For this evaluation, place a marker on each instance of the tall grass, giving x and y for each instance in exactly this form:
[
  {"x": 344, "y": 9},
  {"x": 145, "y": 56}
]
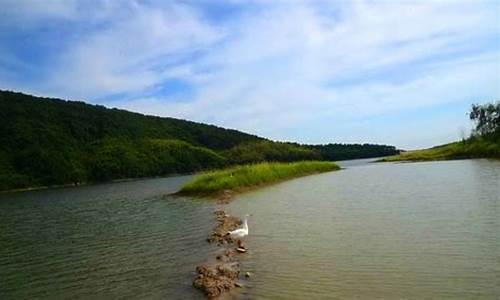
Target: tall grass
[{"x": 245, "y": 176}]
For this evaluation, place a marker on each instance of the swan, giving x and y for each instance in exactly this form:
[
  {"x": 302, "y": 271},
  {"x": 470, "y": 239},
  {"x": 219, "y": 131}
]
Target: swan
[{"x": 240, "y": 232}]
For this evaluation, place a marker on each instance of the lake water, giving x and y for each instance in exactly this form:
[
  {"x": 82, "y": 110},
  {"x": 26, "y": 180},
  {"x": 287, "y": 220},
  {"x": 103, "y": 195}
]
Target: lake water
[
  {"x": 121, "y": 240},
  {"x": 391, "y": 231},
  {"x": 388, "y": 231}
]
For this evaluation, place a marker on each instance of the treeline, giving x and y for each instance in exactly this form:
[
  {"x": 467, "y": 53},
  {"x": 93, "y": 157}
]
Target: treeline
[
  {"x": 46, "y": 141},
  {"x": 485, "y": 138},
  {"x": 487, "y": 120},
  {"x": 262, "y": 151},
  {"x": 335, "y": 152}
]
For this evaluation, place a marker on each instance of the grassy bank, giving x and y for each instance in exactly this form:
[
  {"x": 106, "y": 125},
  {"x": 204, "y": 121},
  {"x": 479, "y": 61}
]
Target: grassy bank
[
  {"x": 240, "y": 177},
  {"x": 474, "y": 148}
]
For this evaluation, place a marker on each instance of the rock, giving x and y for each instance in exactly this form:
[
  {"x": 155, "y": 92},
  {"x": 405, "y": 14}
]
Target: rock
[
  {"x": 230, "y": 254},
  {"x": 214, "y": 280},
  {"x": 229, "y": 270},
  {"x": 225, "y": 197},
  {"x": 219, "y": 213},
  {"x": 225, "y": 223},
  {"x": 248, "y": 274}
]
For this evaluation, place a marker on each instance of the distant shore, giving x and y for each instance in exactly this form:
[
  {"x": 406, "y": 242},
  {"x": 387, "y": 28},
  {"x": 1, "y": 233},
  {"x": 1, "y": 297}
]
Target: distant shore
[{"x": 473, "y": 148}]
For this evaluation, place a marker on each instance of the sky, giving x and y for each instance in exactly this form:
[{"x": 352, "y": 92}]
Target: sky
[{"x": 403, "y": 73}]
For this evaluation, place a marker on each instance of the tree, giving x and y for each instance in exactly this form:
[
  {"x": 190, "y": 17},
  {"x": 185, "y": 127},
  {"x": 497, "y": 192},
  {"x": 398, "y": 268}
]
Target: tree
[{"x": 486, "y": 117}]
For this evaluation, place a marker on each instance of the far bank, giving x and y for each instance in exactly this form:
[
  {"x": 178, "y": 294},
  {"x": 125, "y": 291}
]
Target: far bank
[{"x": 471, "y": 148}]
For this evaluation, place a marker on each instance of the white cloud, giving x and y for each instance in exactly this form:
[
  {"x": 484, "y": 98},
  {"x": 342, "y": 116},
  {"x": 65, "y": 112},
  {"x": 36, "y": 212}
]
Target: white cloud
[
  {"x": 273, "y": 72},
  {"x": 133, "y": 52},
  {"x": 289, "y": 65}
]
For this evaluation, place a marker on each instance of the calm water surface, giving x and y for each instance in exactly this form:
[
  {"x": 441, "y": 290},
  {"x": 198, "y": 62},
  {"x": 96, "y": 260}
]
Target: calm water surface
[
  {"x": 391, "y": 231},
  {"x": 121, "y": 240}
]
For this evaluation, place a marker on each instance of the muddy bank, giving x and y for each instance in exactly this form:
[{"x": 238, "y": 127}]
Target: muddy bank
[{"x": 222, "y": 275}]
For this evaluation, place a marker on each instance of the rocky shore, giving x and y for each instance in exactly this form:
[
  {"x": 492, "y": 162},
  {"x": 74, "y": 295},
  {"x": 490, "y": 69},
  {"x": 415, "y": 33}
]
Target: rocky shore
[
  {"x": 225, "y": 223},
  {"x": 222, "y": 275}
]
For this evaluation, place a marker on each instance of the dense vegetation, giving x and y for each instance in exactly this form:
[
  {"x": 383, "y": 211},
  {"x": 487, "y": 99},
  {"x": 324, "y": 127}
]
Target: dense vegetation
[
  {"x": 46, "y": 141},
  {"x": 335, "y": 152},
  {"x": 51, "y": 141},
  {"x": 484, "y": 141},
  {"x": 245, "y": 176},
  {"x": 262, "y": 151}
]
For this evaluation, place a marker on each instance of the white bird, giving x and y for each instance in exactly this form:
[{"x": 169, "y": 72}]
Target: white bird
[{"x": 240, "y": 232}]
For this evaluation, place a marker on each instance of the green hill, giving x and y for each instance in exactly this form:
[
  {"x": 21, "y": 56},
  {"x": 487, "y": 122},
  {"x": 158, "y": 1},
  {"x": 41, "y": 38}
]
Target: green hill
[{"x": 45, "y": 141}]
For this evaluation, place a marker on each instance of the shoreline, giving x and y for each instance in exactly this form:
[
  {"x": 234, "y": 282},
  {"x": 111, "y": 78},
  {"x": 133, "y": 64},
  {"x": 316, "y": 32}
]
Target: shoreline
[
  {"x": 80, "y": 184},
  {"x": 132, "y": 179},
  {"x": 468, "y": 149},
  {"x": 401, "y": 160},
  {"x": 91, "y": 183}
]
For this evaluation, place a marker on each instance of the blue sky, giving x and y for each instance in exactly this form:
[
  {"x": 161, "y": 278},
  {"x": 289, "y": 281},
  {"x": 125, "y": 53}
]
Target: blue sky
[{"x": 396, "y": 72}]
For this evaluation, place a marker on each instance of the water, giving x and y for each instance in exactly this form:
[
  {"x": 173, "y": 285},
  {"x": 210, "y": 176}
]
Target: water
[
  {"x": 122, "y": 240},
  {"x": 391, "y": 231}
]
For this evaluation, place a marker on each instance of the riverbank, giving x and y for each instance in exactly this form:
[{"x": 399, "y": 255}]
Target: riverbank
[
  {"x": 247, "y": 176},
  {"x": 477, "y": 148},
  {"x": 80, "y": 184}
]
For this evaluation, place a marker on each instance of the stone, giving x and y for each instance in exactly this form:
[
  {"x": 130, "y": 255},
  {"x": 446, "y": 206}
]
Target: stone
[
  {"x": 225, "y": 224},
  {"x": 214, "y": 280}
]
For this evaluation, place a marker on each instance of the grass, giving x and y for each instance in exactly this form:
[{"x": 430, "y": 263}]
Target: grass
[
  {"x": 246, "y": 176},
  {"x": 473, "y": 148}
]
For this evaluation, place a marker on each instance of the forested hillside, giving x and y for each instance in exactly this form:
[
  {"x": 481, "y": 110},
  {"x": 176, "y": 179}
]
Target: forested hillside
[{"x": 46, "y": 141}]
